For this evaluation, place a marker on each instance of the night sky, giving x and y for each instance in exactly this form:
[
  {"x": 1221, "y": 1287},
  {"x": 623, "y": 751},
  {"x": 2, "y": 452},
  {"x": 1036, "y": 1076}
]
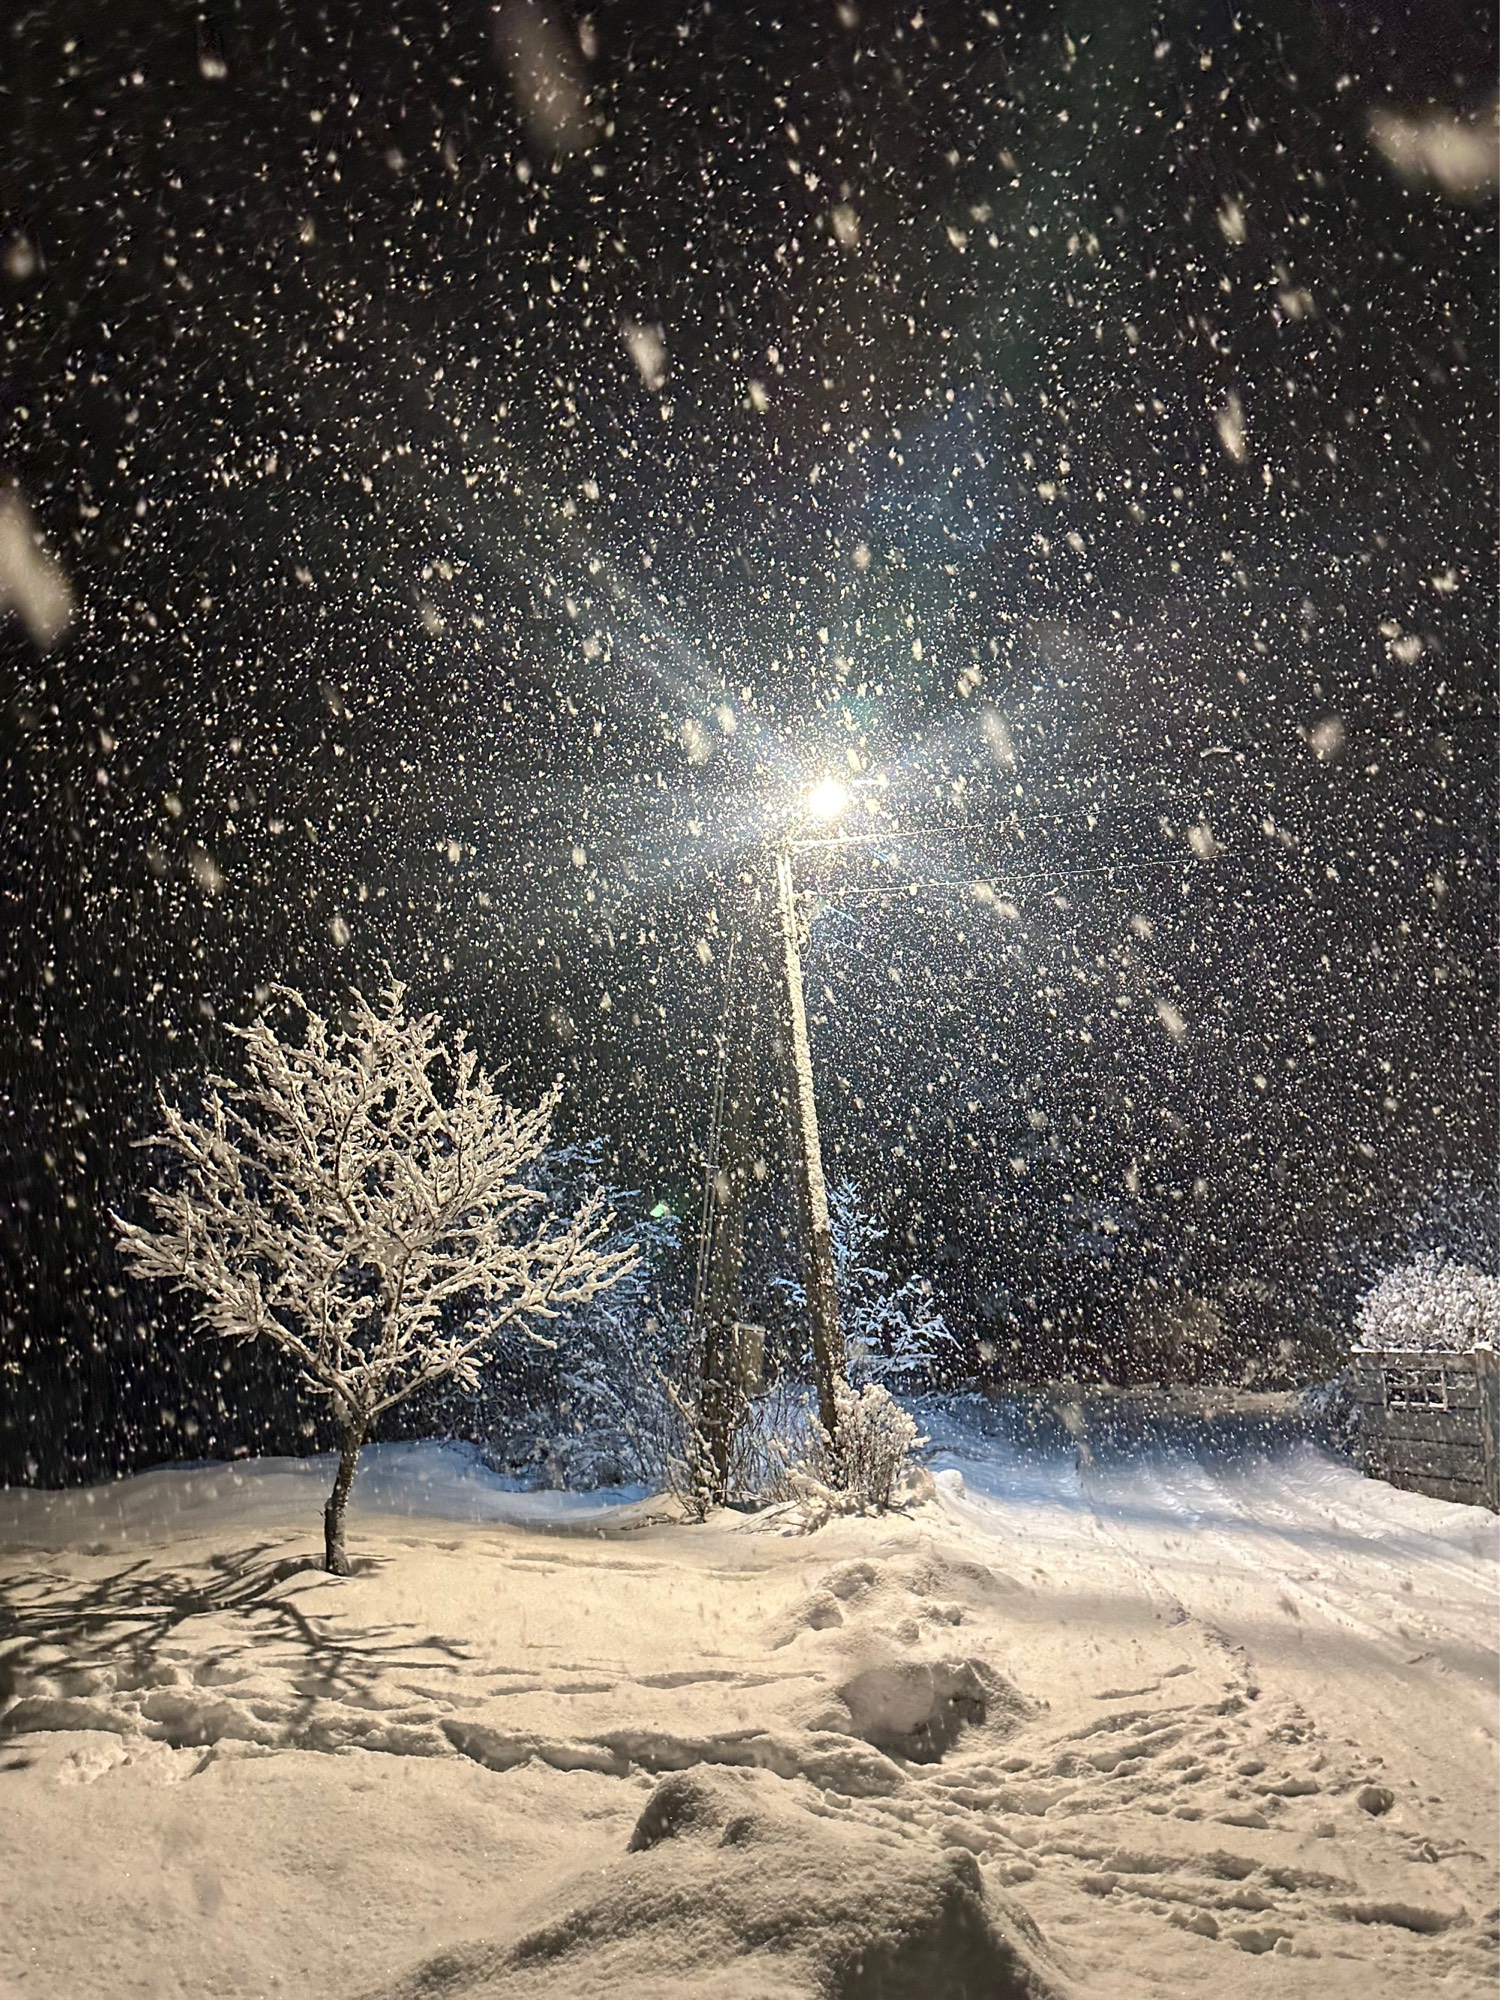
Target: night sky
[{"x": 500, "y": 455}]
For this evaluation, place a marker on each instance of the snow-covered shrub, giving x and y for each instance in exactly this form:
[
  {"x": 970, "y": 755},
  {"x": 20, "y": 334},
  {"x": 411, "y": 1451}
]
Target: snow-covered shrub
[
  {"x": 779, "y": 1452},
  {"x": 873, "y": 1453},
  {"x": 777, "y": 1434},
  {"x": 771, "y": 1436},
  {"x": 895, "y": 1334},
  {"x": 346, "y": 1203},
  {"x": 876, "y": 1441},
  {"x": 1431, "y": 1304}
]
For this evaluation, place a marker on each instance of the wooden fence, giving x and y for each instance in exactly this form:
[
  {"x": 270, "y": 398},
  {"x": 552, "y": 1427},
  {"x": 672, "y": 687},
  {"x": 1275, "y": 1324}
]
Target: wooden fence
[{"x": 1431, "y": 1422}]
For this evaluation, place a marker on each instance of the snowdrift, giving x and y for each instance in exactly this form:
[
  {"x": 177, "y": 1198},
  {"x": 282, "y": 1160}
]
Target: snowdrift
[{"x": 739, "y": 1885}]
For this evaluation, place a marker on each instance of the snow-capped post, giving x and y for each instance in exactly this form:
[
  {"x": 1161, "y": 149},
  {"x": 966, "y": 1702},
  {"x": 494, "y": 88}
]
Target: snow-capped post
[{"x": 351, "y": 1201}]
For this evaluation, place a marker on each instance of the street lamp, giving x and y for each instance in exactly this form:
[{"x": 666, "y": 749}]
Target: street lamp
[{"x": 829, "y": 799}]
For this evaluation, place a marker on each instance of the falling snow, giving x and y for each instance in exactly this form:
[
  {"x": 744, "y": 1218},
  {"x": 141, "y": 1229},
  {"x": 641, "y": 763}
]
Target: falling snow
[{"x": 883, "y": 598}]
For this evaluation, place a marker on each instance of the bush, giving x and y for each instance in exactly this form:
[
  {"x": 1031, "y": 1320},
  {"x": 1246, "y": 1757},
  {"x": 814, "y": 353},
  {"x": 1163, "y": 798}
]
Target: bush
[
  {"x": 780, "y": 1453},
  {"x": 770, "y": 1436},
  {"x": 1431, "y": 1304},
  {"x": 876, "y": 1440}
]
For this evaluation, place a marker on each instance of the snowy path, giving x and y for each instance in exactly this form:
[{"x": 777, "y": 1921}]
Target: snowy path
[
  {"x": 1358, "y": 1627},
  {"x": 1142, "y": 1728},
  {"x": 1289, "y": 1552}
]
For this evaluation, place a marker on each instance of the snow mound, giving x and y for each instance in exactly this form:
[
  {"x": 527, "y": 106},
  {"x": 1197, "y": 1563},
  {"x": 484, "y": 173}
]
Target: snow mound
[
  {"x": 917, "y": 1709},
  {"x": 740, "y": 1885},
  {"x": 827, "y": 1760},
  {"x": 433, "y": 1479}
]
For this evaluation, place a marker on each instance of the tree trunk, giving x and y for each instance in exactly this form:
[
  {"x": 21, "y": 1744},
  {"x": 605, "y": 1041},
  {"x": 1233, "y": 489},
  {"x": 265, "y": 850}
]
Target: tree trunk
[
  {"x": 717, "y": 1302},
  {"x": 335, "y": 1559}
]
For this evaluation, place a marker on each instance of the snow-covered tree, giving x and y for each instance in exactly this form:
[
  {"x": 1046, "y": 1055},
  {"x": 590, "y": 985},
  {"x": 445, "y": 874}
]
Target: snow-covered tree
[
  {"x": 352, "y": 1201},
  {"x": 1433, "y": 1304},
  {"x": 896, "y": 1333},
  {"x": 594, "y": 1408}
]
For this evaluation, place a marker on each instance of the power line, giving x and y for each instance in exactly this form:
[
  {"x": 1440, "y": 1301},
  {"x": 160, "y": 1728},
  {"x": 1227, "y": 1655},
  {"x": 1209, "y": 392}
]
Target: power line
[{"x": 1052, "y": 884}]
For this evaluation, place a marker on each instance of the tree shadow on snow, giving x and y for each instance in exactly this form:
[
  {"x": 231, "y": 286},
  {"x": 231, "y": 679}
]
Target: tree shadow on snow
[{"x": 133, "y": 1628}]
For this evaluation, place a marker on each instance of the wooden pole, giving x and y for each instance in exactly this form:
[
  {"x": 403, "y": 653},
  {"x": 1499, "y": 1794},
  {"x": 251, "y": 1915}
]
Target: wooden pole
[
  {"x": 829, "y": 1358},
  {"x": 726, "y": 1196}
]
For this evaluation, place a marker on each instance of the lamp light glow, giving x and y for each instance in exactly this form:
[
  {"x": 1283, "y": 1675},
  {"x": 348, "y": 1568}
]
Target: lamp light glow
[{"x": 828, "y": 798}]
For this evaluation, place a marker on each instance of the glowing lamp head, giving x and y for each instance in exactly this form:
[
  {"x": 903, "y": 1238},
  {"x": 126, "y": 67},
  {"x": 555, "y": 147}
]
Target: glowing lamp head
[{"x": 828, "y": 799}]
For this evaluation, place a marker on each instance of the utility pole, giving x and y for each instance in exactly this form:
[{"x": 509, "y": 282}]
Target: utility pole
[
  {"x": 821, "y": 1285},
  {"x": 721, "y": 1237},
  {"x": 765, "y": 959}
]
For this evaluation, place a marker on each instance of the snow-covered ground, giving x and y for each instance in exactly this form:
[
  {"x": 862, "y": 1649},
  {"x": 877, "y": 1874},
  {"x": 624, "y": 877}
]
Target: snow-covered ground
[{"x": 1163, "y": 1723}]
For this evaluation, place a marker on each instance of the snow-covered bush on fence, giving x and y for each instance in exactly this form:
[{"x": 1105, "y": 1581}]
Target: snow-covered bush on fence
[{"x": 1432, "y": 1304}]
